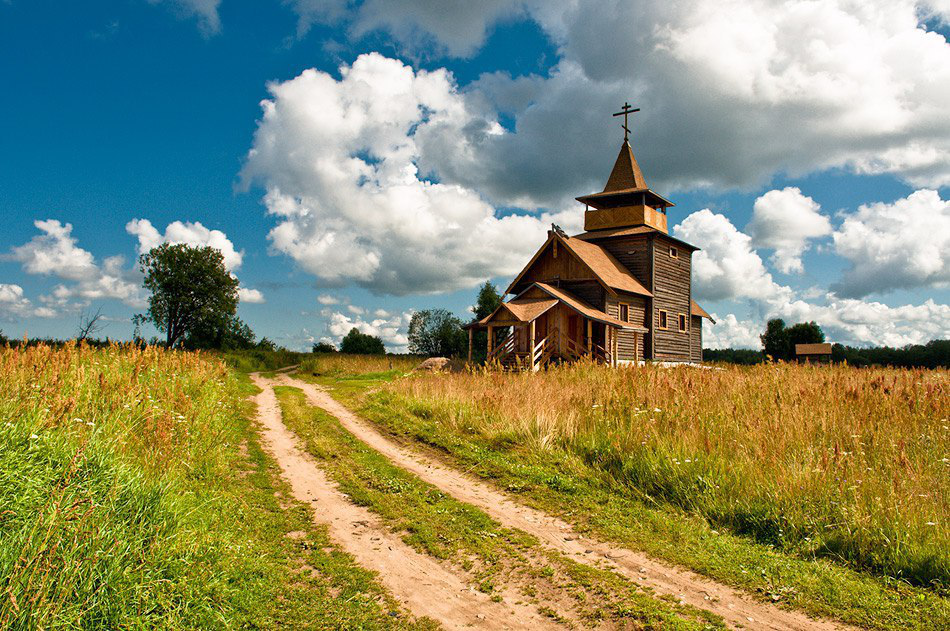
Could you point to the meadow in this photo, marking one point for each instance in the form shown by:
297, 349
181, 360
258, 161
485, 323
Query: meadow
134, 493
824, 460
823, 487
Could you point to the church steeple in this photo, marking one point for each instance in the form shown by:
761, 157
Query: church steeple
626, 172
626, 201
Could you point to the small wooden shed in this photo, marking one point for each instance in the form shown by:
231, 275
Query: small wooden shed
813, 352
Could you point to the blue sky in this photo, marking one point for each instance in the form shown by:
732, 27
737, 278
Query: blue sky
429, 148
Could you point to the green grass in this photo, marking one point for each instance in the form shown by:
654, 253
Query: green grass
444, 528
134, 494
562, 481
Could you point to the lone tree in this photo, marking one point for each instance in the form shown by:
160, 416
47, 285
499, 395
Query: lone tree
487, 301
191, 289
779, 342
323, 347
357, 343
436, 333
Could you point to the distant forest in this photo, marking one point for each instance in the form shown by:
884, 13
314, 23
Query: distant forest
934, 354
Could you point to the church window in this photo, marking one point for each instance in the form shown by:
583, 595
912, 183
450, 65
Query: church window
625, 313
674, 254
682, 322
662, 320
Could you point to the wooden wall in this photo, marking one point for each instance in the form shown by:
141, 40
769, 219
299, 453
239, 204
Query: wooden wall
637, 315
696, 340
555, 270
591, 292
671, 292
633, 252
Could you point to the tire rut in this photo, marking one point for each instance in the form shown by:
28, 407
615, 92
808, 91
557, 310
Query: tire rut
423, 585
737, 609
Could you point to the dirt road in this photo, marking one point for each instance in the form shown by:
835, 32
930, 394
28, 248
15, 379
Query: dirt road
423, 585
737, 609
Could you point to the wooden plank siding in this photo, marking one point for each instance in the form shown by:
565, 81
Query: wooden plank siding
637, 313
671, 293
696, 340
635, 252
557, 270
591, 292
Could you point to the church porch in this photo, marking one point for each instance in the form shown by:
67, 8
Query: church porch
536, 329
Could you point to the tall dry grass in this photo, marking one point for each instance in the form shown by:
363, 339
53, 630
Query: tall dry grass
341, 364
826, 460
104, 456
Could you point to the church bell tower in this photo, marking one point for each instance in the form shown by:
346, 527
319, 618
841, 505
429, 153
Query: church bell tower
626, 201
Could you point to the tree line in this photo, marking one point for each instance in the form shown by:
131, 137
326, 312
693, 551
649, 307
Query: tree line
778, 343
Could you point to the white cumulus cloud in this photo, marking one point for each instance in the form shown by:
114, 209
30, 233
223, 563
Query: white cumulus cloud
250, 296
732, 92
188, 233
784, 221
903, 245
727, 267
338, 159
55, 252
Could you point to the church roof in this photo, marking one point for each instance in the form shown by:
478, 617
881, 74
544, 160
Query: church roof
593, 235
696, 310
607, 269
626, 173
585, 309
606, 266
625, 186
524, 309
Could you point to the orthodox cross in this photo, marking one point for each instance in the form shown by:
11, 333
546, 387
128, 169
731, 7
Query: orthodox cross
626, 111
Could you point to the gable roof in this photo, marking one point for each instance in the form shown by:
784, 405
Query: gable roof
607, 269
585, 309
696, 310
523, 309
607, 233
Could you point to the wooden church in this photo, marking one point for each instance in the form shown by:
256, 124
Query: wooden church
618, 293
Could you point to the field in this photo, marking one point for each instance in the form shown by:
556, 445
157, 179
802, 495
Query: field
134, 494
135, 490
822, 486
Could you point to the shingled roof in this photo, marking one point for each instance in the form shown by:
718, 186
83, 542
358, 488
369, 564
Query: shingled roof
607, 269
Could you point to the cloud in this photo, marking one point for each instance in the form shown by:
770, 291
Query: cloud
784, 220
206, 12
903, 245
250, 296
844, 320
55, 253
391, 330
453, 27
727, 267
188, 233
14, 304
729, 332
732, 93
338, 159
327, 299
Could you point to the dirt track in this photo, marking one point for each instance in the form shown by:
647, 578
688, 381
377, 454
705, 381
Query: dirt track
737, 609
423, 585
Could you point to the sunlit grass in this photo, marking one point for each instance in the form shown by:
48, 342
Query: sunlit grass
133, 494
819, 460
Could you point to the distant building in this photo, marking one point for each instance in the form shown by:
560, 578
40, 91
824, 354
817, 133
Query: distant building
620, 292
813, 352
